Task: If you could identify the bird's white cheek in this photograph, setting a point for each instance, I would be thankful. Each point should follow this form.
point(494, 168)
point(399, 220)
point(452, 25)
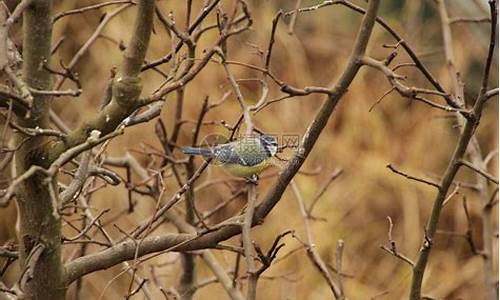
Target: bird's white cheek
point(273, 150)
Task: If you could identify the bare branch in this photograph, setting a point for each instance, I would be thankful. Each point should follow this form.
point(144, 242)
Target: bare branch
point(468, 234)
point(55, 166)
point(203, 14)
point(115, 112)
point(335, 174)
point(310, 246)
point(338, 265)
point(455, 161)
point(457, 20)
point(294, 14)
point(247, 242)
point(82, 10)
point(125, 250)
point(449, 100)
point(393, 250)
point(479, 171)
point(78, 181)
point(491, 93)
point(390, 167)
point(412, 93)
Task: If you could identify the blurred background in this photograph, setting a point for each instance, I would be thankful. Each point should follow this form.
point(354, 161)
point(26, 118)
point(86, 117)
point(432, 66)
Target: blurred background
point(409, 135)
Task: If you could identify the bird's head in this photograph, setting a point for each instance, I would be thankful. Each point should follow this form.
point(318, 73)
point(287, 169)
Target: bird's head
point(270, 143)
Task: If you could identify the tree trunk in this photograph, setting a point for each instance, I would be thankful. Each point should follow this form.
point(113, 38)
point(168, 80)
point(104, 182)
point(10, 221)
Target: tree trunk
point(40, 226)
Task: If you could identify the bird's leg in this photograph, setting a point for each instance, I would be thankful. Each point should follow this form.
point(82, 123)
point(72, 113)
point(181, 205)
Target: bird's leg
point(252, 179)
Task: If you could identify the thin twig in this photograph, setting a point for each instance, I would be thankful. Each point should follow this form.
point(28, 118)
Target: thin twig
point(338, 265)
point(431, 183)
point(393, 250)
point(312, 253)
point(455, 161)
point(334, 175)
point(479, 171)
point(88, 8)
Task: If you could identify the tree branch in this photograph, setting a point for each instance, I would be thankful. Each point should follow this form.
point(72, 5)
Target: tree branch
point(126, 87)
point(453, 166)
point(183, 242)
point(312, 252)
point(248, 246)
point(479, 171)
point(449, 100)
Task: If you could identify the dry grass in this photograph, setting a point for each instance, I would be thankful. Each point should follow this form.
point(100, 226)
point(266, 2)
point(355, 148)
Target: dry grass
point(411, 136)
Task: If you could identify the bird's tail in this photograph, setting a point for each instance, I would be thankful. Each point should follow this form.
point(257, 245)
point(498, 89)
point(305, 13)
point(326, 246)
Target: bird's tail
point(197, 151)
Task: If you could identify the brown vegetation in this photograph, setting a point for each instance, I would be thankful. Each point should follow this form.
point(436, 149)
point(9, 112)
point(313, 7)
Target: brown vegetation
point(384, 160)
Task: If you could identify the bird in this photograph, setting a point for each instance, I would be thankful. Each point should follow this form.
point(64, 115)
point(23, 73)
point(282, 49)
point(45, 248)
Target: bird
point(246, 157)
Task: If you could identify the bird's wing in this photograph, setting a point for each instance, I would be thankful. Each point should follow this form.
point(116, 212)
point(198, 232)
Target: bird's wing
point(227, 154)
point(245, 152)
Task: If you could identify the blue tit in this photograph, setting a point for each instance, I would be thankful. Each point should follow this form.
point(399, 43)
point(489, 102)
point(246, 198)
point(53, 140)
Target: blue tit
point(244, 158)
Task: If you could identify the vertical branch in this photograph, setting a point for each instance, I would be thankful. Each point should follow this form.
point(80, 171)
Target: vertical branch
point(312, 253)
point(294, 17)
point(247, 242)
point(489, 275)
point(447, 180)
point(454, 74)
point(81, 252)
point(38, 224)
point(136, 51)
point(251, 191)
point(188, 277)
point(241, 100)
point(478, 161)
point(338, 266)
point(221, 275)
point(453, 167)
point(187, 281)
point(189, 7)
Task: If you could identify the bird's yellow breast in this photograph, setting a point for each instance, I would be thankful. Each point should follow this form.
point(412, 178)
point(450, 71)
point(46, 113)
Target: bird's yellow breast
point(247, 171)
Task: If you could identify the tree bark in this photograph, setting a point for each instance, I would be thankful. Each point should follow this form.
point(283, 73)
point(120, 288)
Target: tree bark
point(39, 225)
